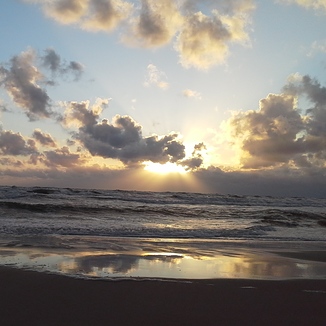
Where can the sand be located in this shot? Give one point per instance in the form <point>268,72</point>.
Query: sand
<point>34,298</point>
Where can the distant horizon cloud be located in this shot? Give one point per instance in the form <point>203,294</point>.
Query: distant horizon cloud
<point>279,183</point>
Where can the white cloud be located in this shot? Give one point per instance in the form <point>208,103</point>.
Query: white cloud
<point>191,94</point>
<point>309,4</point>
<point>155,77</point>
<point>317,47</point>
<point>204,40</point>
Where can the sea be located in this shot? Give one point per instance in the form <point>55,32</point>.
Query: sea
<point>127,234</point>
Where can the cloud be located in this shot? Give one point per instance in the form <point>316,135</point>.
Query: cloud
<point>21,82</point>
<point>276,182</point>
<point>80,114</point>
<point>191,94</point>
<point>309,4</point>
<point>14,144</point>
<point>282,181</point>
<point>61,157</point>
<point>3,106</point>
<point>121,138</point>
<point>196,160</point>
<point>155,25</point>
<point>279,133</point>
<point>201,39</point>
<point>93,15</point>
<point>11,162</point>
<point>155,77</point>
<point>57,66</point>
<point>317,46</point>
<point>107,15</point>
<point>22,79</point>
<point>66,11</point>
<point>44,138</point>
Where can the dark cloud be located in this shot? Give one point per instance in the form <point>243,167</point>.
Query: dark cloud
<point>279,182</point>
<point>316,94</point>
<point>22,79</point>
<point>51,60</point>
<point>44,138</point>
<point>21,82</point>
<point>61,157</point>
<point>275,182</point>
<point>122,138</point>
<point>59,67</point>
<point>195,162</point>
<point>14,144</point>
<point>9,161</point>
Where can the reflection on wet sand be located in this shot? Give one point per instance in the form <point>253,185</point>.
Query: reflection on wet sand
<point>249,264</point>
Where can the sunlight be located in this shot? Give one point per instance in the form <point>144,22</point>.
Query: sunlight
<point>164,168</point>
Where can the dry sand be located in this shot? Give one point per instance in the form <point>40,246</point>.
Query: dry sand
<point>32,298</point>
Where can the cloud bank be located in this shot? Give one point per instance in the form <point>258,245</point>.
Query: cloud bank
<point>120,139</point>
<point>282,145</point>
<point>201,39</point>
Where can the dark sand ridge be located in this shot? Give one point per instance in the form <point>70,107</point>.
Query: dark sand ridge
<point>32,298</point>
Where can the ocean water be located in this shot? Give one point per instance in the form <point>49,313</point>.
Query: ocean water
<point>117,231</point>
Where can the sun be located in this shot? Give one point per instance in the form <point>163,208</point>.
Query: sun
<point>164,168</point>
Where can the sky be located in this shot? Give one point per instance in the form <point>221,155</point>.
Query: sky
<point>224,96</point>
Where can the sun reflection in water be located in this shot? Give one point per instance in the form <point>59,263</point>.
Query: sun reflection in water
<point>158,264</point>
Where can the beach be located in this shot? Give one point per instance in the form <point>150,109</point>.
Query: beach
<point>34,298</point>
<point>102,257</point>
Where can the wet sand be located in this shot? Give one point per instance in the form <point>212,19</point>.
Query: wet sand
<point>33,298</point>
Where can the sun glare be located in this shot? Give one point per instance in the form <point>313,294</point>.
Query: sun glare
<point>164,168</point>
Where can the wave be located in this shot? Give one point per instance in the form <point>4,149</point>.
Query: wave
<point>285,217</point>
<point>291,218</point>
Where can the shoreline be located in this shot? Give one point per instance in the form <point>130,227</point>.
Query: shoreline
<point>109,258</point>
<point>36,298</point>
